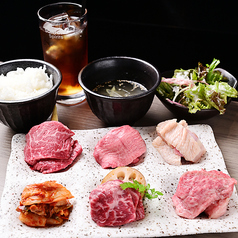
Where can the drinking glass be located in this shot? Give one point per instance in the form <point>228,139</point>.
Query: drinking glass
<point>64,38</point>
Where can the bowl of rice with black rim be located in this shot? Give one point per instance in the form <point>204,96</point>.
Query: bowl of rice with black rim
<point>28,91</point>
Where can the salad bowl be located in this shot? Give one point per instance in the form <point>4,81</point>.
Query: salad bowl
<point>182,112</point>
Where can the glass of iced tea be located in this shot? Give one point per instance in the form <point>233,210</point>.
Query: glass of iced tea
<point>64,37</point>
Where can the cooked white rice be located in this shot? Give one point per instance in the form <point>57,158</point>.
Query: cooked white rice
<point>22,84</point>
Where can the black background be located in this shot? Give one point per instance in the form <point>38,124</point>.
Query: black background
<point>168,34</point>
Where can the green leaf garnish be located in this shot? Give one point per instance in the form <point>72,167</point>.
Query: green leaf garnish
<point>149,193</point>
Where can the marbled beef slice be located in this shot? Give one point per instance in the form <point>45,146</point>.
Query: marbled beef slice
<point>203,191</point>
<point>50,147</point>
<point>112,206</point>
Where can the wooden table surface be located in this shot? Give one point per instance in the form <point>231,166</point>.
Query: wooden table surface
<point>81,117</point>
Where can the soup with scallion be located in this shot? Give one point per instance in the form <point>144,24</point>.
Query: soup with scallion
<point>120,88</point>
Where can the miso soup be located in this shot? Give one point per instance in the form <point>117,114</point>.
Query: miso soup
<point>120,88</point>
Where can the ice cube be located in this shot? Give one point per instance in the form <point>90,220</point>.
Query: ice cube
<point>55,51</point>
<point>60,17</point>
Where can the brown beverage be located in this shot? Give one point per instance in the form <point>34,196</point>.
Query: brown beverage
<point>64,39</point>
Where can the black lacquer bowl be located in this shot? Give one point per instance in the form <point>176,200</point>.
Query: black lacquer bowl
<point>183,113</point>
<point>116,111</point>
<point>21,115</point>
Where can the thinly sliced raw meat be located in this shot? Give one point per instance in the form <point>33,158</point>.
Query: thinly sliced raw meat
<point>119,147</point>
<point>50,147</point>
<point>137,200</point>
<point>178,137</point>
<point>54,165</point>
<point>203,191</point>
<point>166,151</point>
<point>112,206</point>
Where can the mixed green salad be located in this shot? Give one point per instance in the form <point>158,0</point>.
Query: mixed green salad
<point>197,89</point>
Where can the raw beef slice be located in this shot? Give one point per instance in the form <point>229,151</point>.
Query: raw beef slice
<point>119,147</point>
<point>203,191</point>
<point>112,206</point>
<point>50,147</point>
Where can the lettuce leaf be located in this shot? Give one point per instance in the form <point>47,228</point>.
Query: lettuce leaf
<point>210,96</point>
<point>212,74</point>
<point>198,100</point>
<point>189,73</point>
<point>218,93</point>
<point>165,90</point>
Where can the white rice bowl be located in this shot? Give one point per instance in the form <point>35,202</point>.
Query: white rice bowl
<point>21,84</point>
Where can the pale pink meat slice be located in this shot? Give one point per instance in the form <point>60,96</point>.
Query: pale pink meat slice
<point>166,152</point>
<point>178,136</point>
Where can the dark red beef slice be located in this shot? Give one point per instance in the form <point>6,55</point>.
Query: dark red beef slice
<point>50,147</point>
<point>137,200</point>
<point>112,206</point>
<point>48,140</point>
<point>201,190</point>
<point>119,147</point>
<point>54,165</point>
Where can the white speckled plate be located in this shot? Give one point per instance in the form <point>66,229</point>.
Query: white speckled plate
<point>86,174</point>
